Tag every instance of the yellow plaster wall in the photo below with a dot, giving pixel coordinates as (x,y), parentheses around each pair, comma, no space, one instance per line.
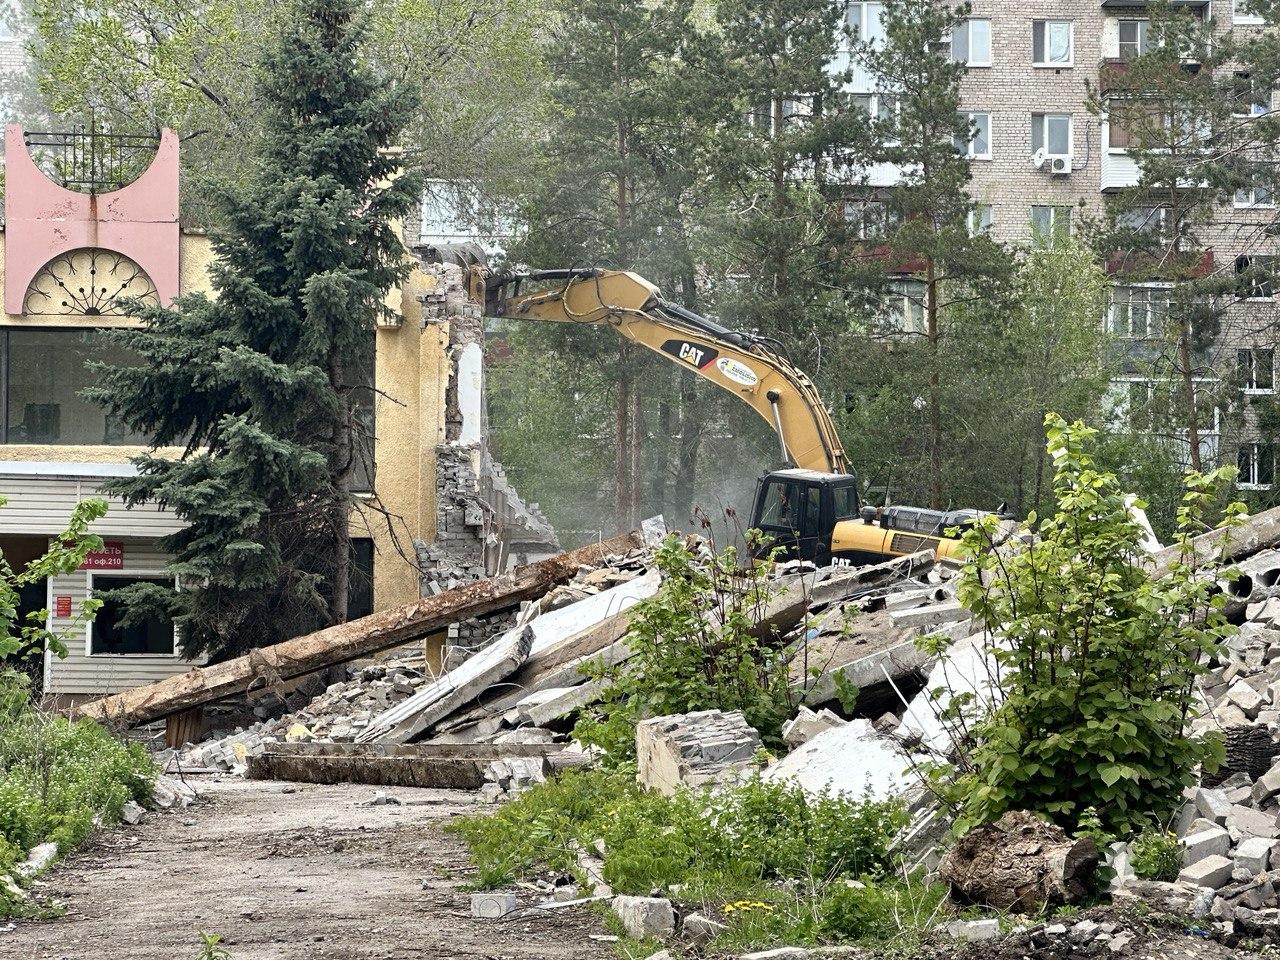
(412,369)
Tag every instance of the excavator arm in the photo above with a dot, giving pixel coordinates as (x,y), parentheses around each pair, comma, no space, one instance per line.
(747,366)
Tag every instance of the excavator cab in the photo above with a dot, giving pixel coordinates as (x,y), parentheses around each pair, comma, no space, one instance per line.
(798,510)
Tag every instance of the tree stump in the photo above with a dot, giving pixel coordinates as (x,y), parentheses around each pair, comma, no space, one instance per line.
(1020,864)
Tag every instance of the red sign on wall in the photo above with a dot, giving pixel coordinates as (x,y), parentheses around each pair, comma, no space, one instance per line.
(110,557)
(62,608)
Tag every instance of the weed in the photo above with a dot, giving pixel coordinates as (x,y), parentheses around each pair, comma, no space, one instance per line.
(1157,855)
(210,948)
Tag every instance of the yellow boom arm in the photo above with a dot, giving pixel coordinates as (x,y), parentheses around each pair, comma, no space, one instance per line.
(745,365)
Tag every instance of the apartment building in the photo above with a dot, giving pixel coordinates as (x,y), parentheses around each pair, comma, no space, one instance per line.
(1041,160)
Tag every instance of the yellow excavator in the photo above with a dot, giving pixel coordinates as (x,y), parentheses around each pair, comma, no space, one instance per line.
(810,508)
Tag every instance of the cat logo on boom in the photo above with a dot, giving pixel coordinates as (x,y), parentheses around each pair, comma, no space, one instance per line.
(694,354)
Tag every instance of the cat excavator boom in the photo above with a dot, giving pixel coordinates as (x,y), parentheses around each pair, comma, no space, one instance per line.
(810,508)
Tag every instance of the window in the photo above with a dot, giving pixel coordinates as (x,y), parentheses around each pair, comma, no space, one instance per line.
(1241,12)
(865,22)
(1050,224)
(364,395)
(904,306)
(1252,99)
(108,635)
(1257,463)
(979,219)
(846,501)
(977,144)
(1138,312)
(878,106)
(971,43)
(781,509)
(1255,277)
(1051,132)
(1258,195)
(1256,369)
(790,110)
(1148,221)
(47,369)
(1051,43)
(1133,38)
(871,219)
(360,590)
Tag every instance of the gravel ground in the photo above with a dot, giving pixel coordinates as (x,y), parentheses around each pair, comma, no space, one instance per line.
(290,872)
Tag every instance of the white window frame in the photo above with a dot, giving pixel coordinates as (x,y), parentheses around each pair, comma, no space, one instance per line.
(1052,235)
(968,152)
(1266,298)
(1248,388)
(157,575)
(1257,108)
(1071,45)
(1044,133)
(910,308)
(1246,198)
(1244,18)
(973,220)
(1149,308)
(1144,36)
(967,26)
(859,30)
(1179,432)
(1255,448)
(870,228)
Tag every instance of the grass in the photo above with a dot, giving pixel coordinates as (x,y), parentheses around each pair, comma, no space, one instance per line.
(58,780)
(773,864)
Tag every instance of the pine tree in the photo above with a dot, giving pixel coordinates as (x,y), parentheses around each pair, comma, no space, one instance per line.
(265,385)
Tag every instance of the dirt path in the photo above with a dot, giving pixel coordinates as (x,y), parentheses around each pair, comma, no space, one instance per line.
(303,875)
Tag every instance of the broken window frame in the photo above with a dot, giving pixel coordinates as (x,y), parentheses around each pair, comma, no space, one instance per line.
(1256,368)
(1262,285)
(1042,43)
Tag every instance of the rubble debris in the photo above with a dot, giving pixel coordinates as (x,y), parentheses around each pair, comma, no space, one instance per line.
(438,766)
(703,749)
(850,759)
(492,906)
(699,929)
(38,857)
(131,813)
(1021,864)
(347,641)
(806,725)
(973,930)
(644,917)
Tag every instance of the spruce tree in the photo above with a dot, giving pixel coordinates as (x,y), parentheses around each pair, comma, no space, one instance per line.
(264,384)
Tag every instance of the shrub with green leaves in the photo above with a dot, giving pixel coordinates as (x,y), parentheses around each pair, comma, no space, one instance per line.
(59,779)
(695,647)
(718,842)
(1156,855)
(1096,659)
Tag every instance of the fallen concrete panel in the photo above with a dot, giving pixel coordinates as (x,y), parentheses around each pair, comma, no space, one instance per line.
(347,641)
(441,767)
(968,666)
(897,662)
(850,760)
(456,688)
(553,703)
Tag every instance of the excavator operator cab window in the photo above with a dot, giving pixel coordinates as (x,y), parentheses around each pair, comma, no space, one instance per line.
(780,510)
(845,501)
(790,512)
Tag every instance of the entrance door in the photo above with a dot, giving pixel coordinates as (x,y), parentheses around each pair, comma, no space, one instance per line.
(20,552)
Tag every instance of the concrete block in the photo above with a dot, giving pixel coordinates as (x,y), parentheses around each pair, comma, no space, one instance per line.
(780,953)
(1211,872)
(1212,804)
(1253,854)
(1245,821)
(1246,698)
(849,759)
(491,906)
(701,749)
(132,813)
(974,930)
(806,725)
(1266,786)
(645,916)
(1208,843)
(701,929)
(929,616)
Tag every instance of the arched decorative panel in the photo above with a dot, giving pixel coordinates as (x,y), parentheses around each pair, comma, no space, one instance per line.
(88,282)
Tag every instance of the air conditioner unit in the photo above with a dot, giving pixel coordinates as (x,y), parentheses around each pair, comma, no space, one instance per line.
(1039,158)
(1060,166)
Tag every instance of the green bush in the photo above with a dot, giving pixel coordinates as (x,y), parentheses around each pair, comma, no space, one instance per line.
(713,844)
(1156,855)
(1098,659)
(59,779)
(694,648)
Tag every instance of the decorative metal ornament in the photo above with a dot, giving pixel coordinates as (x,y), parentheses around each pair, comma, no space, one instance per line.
(88,282)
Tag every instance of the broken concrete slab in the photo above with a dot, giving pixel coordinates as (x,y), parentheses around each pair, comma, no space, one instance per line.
(39,857)
(702,749)
(897,661)
(545,706)
(1212,872)
(973,930)
(1243,822)
(644,917)
(967,667)
(492,906)
(1253,854)
(1215,842)
(807,724)
(929,616)
(438,766)
(850,760)
(1212,804)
